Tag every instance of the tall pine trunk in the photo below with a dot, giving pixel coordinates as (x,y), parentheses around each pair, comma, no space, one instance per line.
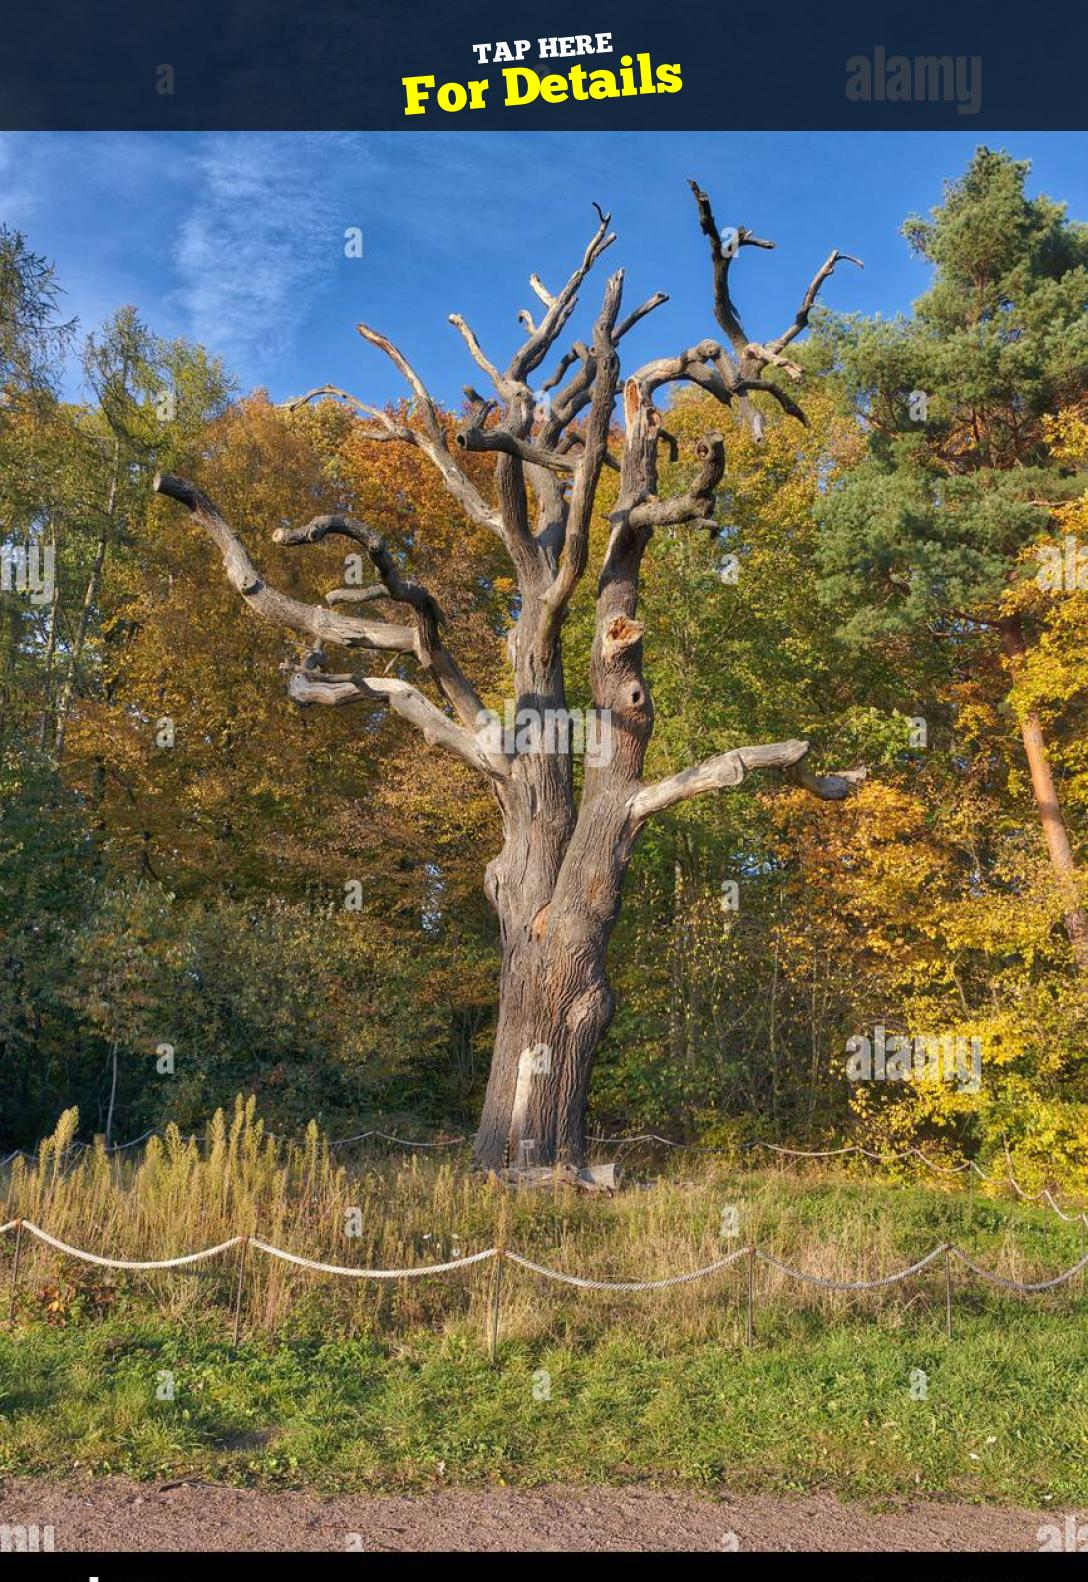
(1049,807)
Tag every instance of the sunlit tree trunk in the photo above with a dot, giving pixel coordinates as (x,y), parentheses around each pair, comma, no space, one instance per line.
(1049,808)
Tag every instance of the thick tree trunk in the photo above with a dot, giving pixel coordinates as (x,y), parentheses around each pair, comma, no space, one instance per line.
(556,889)
(1050,812)
(553,1012)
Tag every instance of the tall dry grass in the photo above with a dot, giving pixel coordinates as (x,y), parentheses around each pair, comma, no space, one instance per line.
(179,1195)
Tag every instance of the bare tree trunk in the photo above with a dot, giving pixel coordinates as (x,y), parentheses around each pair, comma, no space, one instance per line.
(554,1010)
(555,886)
(1050,812)
(90,597)
(49,656)
(556,890)
(113,1094)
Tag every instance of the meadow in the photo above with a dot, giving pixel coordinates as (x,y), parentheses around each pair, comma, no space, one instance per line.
(339,1384)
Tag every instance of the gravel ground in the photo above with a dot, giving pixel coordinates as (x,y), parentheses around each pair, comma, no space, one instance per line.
(115,1514)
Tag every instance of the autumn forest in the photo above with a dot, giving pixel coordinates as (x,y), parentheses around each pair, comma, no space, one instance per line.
(207,887)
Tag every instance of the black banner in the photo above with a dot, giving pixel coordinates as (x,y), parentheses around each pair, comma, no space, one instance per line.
(594,65)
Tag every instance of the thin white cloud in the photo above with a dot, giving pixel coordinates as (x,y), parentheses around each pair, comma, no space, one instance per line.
(261,240)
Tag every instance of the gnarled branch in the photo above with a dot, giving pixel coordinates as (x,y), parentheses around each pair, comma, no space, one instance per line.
(429,649)
(477,352)
(307,684)
(808,301)
(721,257)
(397,357)
(697,502)
(730,768)
(472,438)
(349,631)
(750,358)
(431,440)
(530,355)
(310,683)
(575,552)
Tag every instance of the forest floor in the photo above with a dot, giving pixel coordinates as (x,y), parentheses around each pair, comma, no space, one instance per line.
(116,1514)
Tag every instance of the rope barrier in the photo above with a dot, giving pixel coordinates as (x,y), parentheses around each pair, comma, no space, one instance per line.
(1044,1196)
(642,1137)
(118,1148)
(580,1281)
(370,1274)
(626,1285)
(403,1142)
(1048,1199)
(126,1263)
(279,1137)
(824,1153)
(852,1285)
(1018,1285)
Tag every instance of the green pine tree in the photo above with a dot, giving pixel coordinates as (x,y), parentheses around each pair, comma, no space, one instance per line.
(934,531)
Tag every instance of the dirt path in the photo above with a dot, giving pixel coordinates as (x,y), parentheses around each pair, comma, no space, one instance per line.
(118,1515)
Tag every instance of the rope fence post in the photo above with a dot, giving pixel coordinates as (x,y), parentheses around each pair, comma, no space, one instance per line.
(243,1248)
(15,1272)
(750,1328)
(493,1304)
(948,1291)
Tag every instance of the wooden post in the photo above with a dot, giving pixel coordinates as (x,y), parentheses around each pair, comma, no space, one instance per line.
(948,1292)
(493,1314)
(751,1289)
(15,1271)
(238,1291)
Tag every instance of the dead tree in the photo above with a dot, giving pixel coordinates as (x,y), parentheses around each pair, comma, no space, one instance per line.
(555,885)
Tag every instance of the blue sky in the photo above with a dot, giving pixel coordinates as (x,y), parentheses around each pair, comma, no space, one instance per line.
(237,239)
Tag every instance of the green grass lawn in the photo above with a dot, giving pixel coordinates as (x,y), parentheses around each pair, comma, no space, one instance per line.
(813,1404)
(341,1386)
